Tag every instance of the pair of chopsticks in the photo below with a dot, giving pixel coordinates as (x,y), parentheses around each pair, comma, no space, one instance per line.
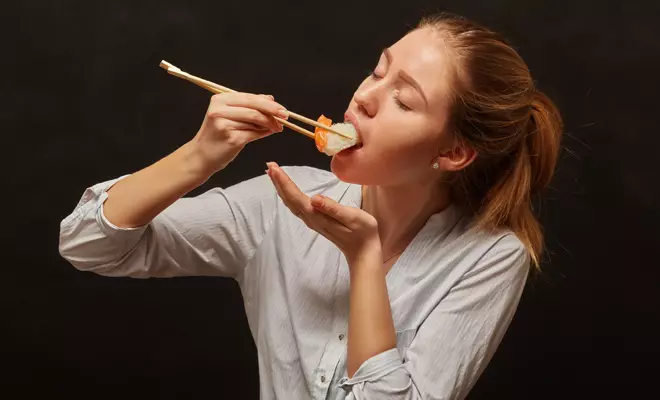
(215,88)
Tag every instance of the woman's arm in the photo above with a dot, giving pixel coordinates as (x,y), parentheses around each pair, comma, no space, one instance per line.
(213,234)
(137,199)
(140,226)
(453,345)
(232,120)
(370,325)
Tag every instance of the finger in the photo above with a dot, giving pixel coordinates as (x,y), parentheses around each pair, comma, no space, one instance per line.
(300,205)
(344,215)
(252,134)
(326,225)
(260,103)
(291,195)
(246,126)
(247,115)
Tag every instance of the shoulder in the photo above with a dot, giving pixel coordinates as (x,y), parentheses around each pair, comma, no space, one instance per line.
(261,190)
(478,251)
(503,241)
(311,180)
(500,252)
(306,178)
(308,174)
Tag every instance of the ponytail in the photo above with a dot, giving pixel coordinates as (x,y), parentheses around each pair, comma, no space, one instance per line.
(543,140)
(509,201)
(514,128)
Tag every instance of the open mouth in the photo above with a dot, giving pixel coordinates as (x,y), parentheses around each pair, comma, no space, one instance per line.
(351,149)
(350,119)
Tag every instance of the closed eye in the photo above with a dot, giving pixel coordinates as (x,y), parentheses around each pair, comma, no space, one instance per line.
(401,105)
(398,102)
(374,75)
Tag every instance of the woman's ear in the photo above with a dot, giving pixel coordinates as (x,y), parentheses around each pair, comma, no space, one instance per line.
(456,158)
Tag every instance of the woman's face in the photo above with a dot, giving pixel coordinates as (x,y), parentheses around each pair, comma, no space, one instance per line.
(400,113)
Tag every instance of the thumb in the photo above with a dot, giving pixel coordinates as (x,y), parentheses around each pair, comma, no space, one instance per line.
(331,208)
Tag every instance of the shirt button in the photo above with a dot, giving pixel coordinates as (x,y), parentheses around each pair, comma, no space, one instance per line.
(322,378)
(341,336)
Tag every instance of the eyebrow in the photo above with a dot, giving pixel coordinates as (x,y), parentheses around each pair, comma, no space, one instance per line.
(405,77)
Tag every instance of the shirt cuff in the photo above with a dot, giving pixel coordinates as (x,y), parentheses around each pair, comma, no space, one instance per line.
(107,226)
(374,368)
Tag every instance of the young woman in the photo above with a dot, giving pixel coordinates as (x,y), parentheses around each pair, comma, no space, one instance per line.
(396,275)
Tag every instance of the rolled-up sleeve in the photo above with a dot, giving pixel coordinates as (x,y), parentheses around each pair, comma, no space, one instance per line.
(457,340)
(213,234)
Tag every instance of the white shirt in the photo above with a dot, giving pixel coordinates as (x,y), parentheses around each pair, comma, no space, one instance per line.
(453,291)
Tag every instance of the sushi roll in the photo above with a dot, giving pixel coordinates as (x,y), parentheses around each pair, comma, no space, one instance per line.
(331,143)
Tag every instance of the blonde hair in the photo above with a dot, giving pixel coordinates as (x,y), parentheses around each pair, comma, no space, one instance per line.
(515,129)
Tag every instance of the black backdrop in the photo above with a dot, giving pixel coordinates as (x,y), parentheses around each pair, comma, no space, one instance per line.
(83,100)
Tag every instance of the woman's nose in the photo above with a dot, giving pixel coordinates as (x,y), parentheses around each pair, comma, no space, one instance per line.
(367,101)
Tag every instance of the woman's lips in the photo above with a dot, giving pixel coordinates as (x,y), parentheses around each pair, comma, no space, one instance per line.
(350,117)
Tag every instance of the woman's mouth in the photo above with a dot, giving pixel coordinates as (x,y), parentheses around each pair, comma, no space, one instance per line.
(350,118)
(350,150)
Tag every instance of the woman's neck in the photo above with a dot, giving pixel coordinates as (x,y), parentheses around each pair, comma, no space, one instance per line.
(402,211)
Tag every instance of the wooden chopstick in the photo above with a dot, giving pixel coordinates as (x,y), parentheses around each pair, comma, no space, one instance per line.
(215,88)
(284,122)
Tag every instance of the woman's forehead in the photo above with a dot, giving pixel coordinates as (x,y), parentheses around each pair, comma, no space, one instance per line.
(422,54)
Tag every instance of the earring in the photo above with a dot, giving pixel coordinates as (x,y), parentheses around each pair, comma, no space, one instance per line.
(436,165)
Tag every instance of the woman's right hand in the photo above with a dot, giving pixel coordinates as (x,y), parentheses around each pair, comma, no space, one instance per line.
(232,121)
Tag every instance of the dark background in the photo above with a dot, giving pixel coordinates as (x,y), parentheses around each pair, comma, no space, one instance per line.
(83,100)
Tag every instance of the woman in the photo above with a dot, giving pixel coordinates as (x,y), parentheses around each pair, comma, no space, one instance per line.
(398,277)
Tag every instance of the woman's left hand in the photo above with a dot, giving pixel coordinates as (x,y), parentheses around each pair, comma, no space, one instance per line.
(351,229)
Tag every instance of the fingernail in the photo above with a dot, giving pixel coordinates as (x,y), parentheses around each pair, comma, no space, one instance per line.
(271,97)
(269,164)
(283,114)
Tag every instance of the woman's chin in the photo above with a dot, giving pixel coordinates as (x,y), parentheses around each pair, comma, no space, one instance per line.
(347,165)
(343,169)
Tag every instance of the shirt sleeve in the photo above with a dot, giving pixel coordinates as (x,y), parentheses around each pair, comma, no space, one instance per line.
(457,340)
(213,234)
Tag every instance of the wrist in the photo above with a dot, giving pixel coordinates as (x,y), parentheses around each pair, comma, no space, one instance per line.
(193,164)
(369,256)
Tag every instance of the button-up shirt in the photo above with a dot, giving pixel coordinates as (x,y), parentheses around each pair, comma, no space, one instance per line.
(453,291)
